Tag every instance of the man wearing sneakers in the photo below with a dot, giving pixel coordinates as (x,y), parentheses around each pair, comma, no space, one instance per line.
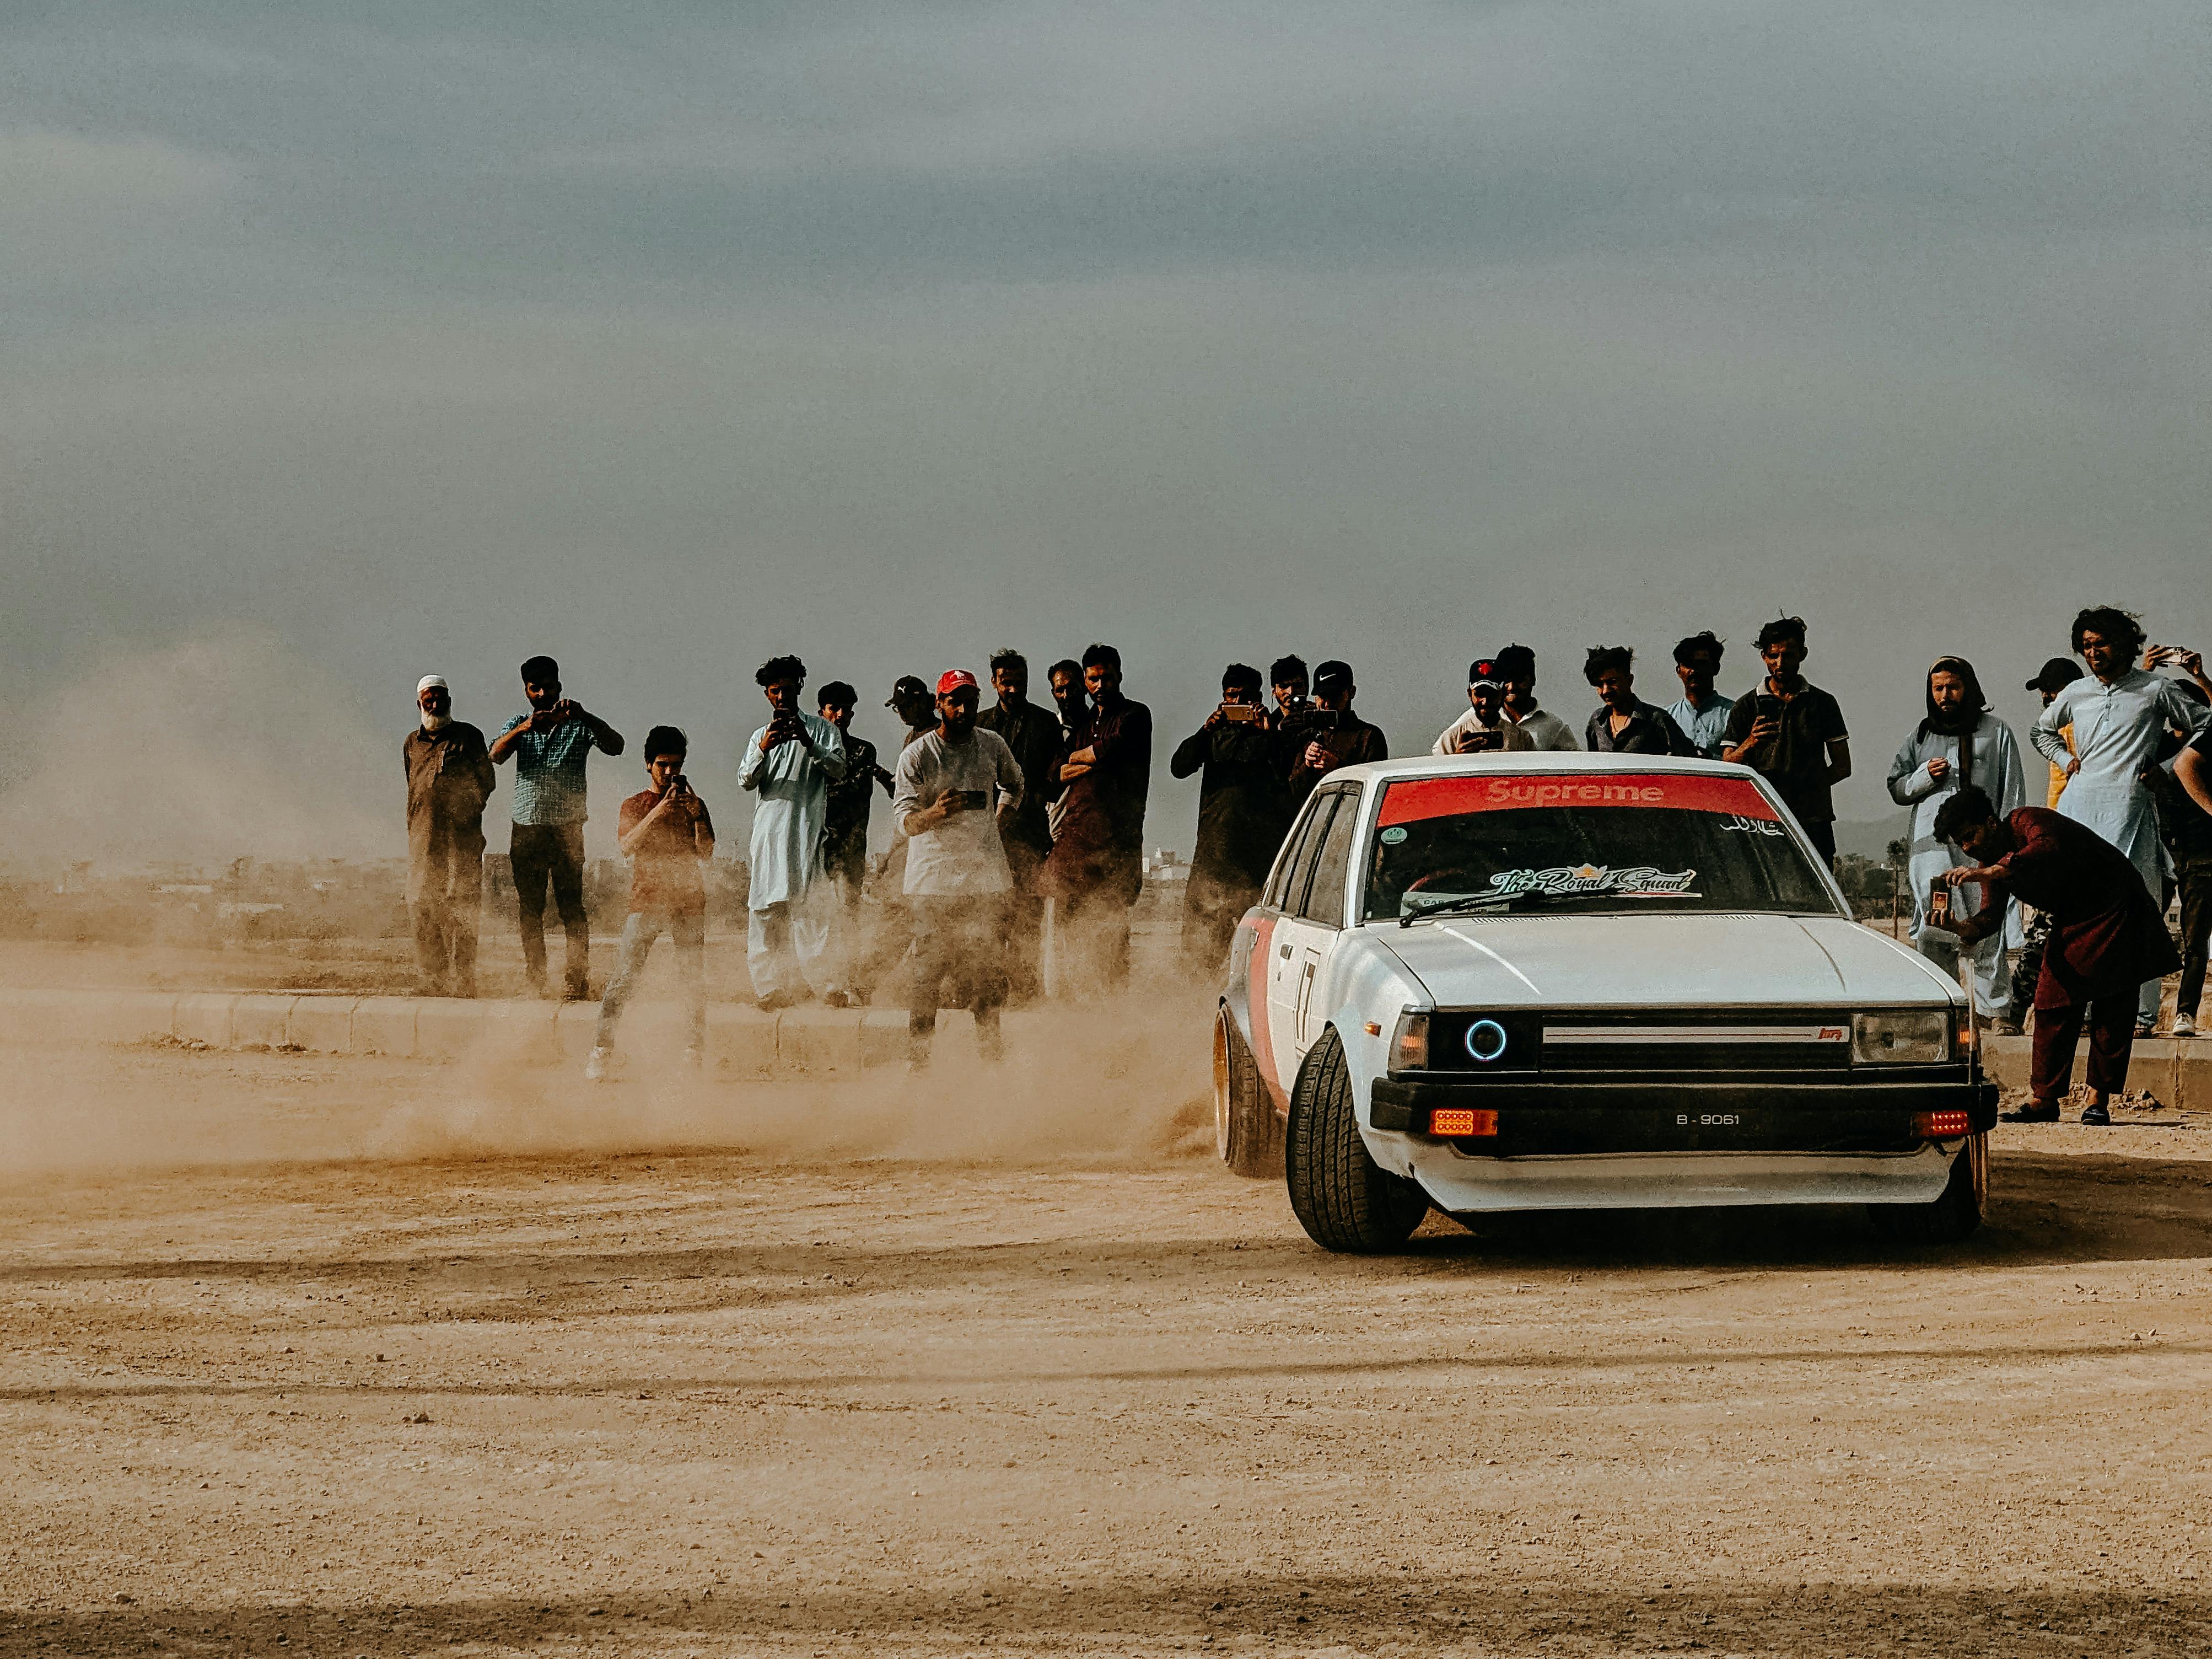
(2106,938)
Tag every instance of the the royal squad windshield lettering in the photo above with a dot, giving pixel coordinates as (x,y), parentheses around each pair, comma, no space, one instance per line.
(1645,840)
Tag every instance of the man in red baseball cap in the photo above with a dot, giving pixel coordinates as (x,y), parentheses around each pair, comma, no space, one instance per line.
(1484,726)
(956,787)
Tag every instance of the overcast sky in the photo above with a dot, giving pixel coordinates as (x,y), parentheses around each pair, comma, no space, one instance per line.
(348,343)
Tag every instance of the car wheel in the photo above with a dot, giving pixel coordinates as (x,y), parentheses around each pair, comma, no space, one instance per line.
(1343,1198)
(1246,1131)
(1950,1218)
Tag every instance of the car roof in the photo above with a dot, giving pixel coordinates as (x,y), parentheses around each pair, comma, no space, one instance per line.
(1579,762)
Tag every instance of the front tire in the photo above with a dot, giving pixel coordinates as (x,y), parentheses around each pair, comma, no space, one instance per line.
(1246,1131)
(1344,1199)
(1952,1218)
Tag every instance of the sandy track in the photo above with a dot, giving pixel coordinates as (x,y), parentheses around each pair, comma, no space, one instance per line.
(721,1401)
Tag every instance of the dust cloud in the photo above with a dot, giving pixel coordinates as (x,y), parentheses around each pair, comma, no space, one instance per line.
(229,746)
(1122,1083)
(225,745)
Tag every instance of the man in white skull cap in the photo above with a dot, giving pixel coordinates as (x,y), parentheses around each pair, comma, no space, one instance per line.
(449,778)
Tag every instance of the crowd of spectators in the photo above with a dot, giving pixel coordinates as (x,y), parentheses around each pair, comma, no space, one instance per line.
(1003,814)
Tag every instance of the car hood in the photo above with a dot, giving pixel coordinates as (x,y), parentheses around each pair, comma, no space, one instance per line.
(1671,961)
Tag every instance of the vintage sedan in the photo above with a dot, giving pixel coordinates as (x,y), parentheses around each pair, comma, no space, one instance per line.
(1576,981)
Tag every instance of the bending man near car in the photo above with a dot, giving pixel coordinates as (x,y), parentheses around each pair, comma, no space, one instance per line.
(2106,938)
(1958,744)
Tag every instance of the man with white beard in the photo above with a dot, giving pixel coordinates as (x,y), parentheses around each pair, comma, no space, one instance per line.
(449,778)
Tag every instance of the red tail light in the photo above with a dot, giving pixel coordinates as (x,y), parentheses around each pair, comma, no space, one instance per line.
(1942,1126)
(1456,1122)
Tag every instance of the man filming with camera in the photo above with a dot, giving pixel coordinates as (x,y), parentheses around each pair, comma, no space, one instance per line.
(1320,739)
(1241,818)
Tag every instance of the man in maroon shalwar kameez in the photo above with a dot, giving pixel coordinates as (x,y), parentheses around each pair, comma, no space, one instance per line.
(2107,939)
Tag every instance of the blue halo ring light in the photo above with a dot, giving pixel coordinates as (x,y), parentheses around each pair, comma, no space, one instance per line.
(1485,1040)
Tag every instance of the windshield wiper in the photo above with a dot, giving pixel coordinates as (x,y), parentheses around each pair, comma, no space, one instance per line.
(1477,902)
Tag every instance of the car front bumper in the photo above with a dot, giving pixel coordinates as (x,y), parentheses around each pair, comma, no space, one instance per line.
(1563,1117)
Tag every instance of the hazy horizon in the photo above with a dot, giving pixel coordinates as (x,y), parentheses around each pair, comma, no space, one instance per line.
(347,349)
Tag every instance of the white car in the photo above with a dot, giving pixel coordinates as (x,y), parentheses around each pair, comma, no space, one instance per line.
(1548,981)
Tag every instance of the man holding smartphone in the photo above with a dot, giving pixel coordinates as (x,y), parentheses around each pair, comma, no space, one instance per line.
(1484,729)
(791,761)
(549,747)
(1243,811)
(669,837)
(1793,732)
(958,789)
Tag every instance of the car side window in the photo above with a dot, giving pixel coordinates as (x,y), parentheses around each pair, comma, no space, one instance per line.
(1285,878)
(1294,902)
(1324,897)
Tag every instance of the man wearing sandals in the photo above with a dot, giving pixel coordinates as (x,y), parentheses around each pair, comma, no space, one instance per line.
(2106,938)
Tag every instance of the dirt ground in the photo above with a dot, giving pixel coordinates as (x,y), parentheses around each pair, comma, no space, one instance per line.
(358,1357)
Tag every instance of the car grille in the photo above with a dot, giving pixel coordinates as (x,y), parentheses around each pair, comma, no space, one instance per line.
(1694,1041)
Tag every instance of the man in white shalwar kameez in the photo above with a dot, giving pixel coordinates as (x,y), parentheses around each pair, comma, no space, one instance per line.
(790,762)
(2119,714)
(1958,743)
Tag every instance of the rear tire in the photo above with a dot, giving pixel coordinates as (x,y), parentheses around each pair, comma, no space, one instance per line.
(1246,1131)
(1344,1199)
(1954,1218)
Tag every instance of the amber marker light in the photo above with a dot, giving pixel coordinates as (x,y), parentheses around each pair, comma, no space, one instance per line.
(1409,1044)
(1456,1122)
(1942,1126)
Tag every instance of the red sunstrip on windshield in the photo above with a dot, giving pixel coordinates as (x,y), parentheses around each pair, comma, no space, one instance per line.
(1498,791)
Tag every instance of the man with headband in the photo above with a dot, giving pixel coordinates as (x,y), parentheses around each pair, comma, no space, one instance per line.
(449,778)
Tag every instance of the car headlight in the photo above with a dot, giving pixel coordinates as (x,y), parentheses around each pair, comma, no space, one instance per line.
(1409,1044)
(1901,1038)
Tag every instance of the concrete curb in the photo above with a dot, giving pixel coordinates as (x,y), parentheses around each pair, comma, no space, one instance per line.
(810,1040)
(2177,1070)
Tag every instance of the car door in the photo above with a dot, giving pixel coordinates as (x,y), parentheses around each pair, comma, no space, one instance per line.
(1288,968)
(1321,915)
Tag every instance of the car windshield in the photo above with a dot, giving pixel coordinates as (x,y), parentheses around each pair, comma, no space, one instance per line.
(1672,842)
